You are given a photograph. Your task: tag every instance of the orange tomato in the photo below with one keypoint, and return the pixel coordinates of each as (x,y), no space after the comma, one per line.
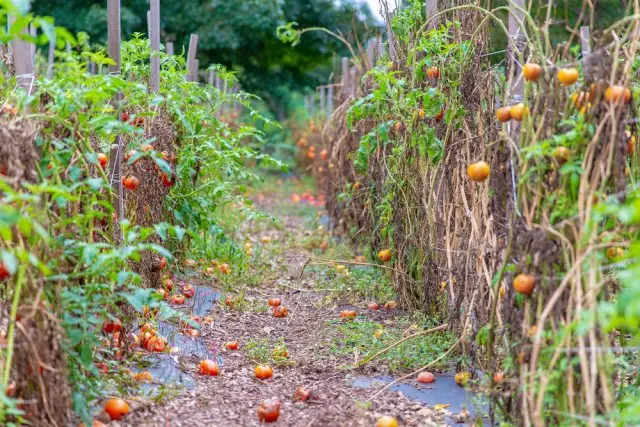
(374,306)
(269,411)
(568,76)
(524,283)
(478,172)
(426,378)
(498,377)
(177,299)
(274,302)
(232,345)
(131,183)
(324,154)
(532,72)
(357,186)
(384,255)
(462,377)
(519,111)
(390,305)
(103,160)
(280,311)
(209,368)
(615,93)
(561,154)
(263,372)
(116,408)
(348,314)
(503,114)
(386,421)
(433,73)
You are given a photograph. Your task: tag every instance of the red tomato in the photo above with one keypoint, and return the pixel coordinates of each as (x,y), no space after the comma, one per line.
(103,160)
(4,273)
(111,327)
(269,411)
(131,183)
(188,291)
(209,368)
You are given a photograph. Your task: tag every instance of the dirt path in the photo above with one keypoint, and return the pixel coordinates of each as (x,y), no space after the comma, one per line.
(232,398)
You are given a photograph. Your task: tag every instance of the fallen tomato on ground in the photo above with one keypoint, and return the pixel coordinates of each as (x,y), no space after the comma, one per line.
(116,408)
(209,368)
(269,411)
(263,372)
(280,311)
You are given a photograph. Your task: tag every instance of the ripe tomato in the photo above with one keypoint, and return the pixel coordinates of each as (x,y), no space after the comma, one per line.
(532,72)
(155,344)
(177,299)
(144,376)
(524,283)
(103,160)
(232,345)
(124,117)
(131,183)
(386,421)
(390,305)
(4,273)
(462,377)
(357,186)
(478,172)
(188,291)
(224,269)
(274,302)
(324,155)
(616,93)
(384,255)
(498,377)
(263,372)
(433,73)
(311,154)
(439,116)
(209,368)
(116,408)
(163,263)
(568,76)
(110,327)
(374,306)
(280,311)
(503,114)
(426,378)
(168,284)
(348,314)
(168,180)
(519,111)
(269,411)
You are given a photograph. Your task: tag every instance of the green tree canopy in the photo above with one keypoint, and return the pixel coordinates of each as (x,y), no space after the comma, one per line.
(239,34)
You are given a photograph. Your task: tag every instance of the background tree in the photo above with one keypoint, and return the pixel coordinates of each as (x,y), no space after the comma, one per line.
(239,34)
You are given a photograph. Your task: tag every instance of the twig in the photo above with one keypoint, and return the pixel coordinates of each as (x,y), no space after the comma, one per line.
(437,328)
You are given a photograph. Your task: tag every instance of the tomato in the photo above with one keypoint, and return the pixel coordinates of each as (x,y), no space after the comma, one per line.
(524,283)
(124,116)
(147,327)
(498,377)
(269,411)
(462,377)
(168,180)
(502,291)
(163,263)
(131,183)
(561,154)
(116,408)
(390,305)
(4,273)
(616,93)
(631,144)
(103,160)
(188,291)
(478,172)
(433,73)
(386,421)
(324,155)
(301,394)
(138,122)
(224,269)
(348,314)
(155,344)
(177,299)
(311,154)
(426,378)
(374,306)
(280,311)
(519,111)
(357,186)
(280,353)
(532,72)
(144,376)
(209,368)
(263,372)
(232,345)
(111,327)
(568,76)
(384,255)
(503,114)
(439,116)
(274,302)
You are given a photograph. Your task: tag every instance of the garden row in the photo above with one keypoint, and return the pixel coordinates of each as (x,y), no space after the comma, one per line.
(507,195)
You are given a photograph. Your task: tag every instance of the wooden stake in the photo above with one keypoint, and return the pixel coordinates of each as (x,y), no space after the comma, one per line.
(169,46)
(115,156)
(22,59)
(585,36)
(371,52)
(322,100)
(345,75)
(432,10)
(154,15)
(149,24)
(212,77)
(195,72)
(51,59)
(191,54)
(33,32)
(330,101)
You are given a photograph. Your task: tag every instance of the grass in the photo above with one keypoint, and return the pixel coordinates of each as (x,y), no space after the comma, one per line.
(268,352)
(358,337)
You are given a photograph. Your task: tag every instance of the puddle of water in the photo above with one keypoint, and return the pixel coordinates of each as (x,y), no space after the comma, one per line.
(444,390)
(165,368)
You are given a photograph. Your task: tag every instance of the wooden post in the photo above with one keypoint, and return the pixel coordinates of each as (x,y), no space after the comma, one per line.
(432,9)
(322,100)
(33,32)
(149,24)
(585,36)
(195,71)
(371,52)
(22,59)
(353,79)
(51,59)
(381,49)
(392,47)
(115,156)
(191,54)
(330,101)
(169,46)
(154,23)
(345,75)
(516,18)
(212,77)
